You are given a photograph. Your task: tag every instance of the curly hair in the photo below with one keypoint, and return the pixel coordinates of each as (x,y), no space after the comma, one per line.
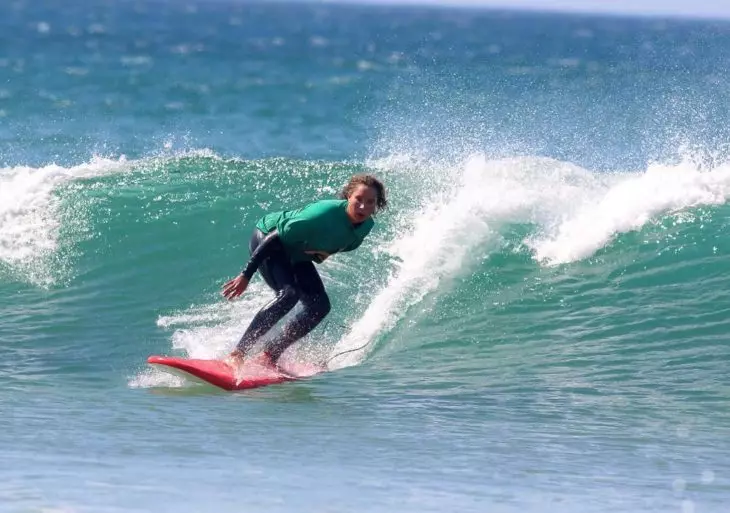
(369,181)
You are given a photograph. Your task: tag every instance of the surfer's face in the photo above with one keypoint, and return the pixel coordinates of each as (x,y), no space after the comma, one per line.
(361,203)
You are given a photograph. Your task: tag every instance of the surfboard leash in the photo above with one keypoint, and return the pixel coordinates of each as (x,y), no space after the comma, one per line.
(366,344)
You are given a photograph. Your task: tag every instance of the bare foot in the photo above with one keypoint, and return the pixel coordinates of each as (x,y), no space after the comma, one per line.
(235,359)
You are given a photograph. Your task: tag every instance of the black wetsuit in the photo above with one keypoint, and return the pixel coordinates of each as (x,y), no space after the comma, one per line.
(292,282)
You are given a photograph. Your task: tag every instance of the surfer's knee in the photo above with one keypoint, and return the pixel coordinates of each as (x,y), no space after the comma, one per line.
(319,307)
(287,297)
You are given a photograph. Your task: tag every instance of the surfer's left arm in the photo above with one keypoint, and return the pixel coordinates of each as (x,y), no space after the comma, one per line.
(318,256)
(271,243)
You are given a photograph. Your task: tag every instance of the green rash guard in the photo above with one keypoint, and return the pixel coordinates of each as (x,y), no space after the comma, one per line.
(319,226)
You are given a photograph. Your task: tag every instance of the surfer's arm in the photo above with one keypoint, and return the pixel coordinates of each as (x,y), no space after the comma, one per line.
(318,256)
(269,245)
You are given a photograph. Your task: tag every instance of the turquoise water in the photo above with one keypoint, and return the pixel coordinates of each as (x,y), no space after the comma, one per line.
(538,323)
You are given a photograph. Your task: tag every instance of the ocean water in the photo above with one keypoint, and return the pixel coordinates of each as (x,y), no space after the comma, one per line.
(538,323)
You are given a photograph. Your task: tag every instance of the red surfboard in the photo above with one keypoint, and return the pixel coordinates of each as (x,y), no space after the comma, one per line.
(251,374)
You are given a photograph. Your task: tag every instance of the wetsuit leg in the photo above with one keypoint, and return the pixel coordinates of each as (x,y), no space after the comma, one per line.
(316,307)
(278,274)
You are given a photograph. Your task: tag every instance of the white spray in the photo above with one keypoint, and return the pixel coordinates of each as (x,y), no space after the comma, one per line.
(30,213)
(574,212)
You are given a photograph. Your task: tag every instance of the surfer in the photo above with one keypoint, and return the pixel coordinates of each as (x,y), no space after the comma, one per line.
(284,248)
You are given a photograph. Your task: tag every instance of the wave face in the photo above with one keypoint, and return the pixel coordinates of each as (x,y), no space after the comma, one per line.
(537,323)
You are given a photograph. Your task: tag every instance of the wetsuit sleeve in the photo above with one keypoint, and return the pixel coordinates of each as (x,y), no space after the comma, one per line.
(269,245)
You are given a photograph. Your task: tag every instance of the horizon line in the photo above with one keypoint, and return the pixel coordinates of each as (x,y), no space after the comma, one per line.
(470,5)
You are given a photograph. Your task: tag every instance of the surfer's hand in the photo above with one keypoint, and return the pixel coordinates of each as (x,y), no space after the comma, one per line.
(318,256)
(235,287)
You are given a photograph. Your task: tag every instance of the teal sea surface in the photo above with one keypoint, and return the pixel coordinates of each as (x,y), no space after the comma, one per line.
(539,322)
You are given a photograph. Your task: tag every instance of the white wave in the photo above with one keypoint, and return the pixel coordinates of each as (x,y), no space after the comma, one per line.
(211,331)
(627,202)
(207,332)
(437,236)
(30,212)
(450,217)
(575,213)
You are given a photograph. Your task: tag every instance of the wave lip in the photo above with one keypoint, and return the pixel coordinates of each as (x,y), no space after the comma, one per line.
(30,212)
(628,202)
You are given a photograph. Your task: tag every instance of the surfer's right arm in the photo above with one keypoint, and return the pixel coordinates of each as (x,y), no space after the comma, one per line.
(270,244)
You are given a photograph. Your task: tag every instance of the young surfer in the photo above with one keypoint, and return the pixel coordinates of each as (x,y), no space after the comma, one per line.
(284,248)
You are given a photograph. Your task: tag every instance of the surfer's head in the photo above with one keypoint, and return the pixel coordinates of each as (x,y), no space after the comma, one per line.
(365,196)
